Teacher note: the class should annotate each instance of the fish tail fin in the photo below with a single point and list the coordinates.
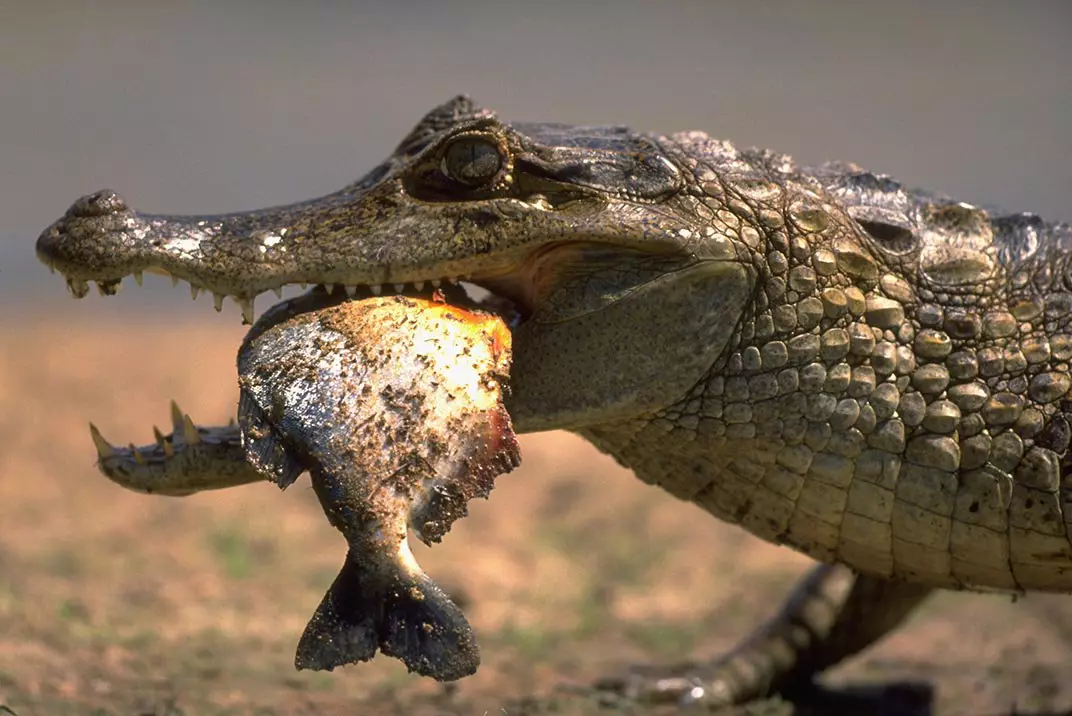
(406, 616)
(344, 629)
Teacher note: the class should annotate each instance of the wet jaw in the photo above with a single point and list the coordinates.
(186, 460)
(101, 239)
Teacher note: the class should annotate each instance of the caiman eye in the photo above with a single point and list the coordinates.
(472, 161)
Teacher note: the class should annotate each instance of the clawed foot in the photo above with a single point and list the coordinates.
(833, 613)
(721, 688)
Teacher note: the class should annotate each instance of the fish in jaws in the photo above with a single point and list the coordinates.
(395, 407)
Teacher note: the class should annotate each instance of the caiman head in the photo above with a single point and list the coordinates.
(625, 297)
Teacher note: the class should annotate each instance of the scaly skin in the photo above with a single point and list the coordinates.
(875, 376)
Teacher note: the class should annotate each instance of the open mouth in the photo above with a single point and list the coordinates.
(167, 465)
(100, 240)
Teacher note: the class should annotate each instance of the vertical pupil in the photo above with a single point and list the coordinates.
(473, 161)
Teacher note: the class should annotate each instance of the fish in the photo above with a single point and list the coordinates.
(394, 405)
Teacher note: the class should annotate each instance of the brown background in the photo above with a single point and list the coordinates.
(137, 605)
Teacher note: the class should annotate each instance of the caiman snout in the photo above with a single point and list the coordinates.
(465, 197)
(93, 239)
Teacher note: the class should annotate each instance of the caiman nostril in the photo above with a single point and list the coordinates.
(101, 203)
(92, 240)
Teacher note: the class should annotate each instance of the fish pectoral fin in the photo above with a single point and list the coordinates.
(406, 616)
(266, 451)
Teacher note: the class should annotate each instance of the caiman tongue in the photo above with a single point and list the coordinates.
(394, 405)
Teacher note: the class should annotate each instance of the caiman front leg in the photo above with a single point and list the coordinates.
(188, 460)
(832, 614)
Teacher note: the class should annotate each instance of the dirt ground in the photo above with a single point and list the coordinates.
(117, 603)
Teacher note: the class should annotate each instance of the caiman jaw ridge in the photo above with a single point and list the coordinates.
(101, 239)
(168, 467)
(97, 223)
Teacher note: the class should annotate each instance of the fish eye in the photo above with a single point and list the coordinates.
(472, 161)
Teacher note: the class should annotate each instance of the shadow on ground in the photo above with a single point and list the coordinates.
(117, 603)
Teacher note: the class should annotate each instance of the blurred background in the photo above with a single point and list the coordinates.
(140, 605)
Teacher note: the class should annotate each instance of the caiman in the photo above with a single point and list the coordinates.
(873, 375)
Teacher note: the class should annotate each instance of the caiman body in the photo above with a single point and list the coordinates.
(876, 376)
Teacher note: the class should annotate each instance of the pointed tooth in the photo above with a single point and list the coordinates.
(189, 431)
(351, 290)
(436, 283)
(419, 285)
(176, 417)
(303, 285)
(104, 448)
(246, 304)
(217, 301)
(194, 291)
(540, 202)
(78, 287)
(162, 441)
(376, 289)
(169, 449)
(174, 280)
(138, 457)
(452, 279)
(138, 278)
(399, 287)
(109, 288)
(278, 291)
(232, 423)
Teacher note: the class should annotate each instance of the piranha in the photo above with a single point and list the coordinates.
(394, 405)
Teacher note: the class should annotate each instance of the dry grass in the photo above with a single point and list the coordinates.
(117, 603)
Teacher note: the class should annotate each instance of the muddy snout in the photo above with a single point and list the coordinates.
(95, 238)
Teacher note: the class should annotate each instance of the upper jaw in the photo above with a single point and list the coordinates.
(319, 242)
(367, 239)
